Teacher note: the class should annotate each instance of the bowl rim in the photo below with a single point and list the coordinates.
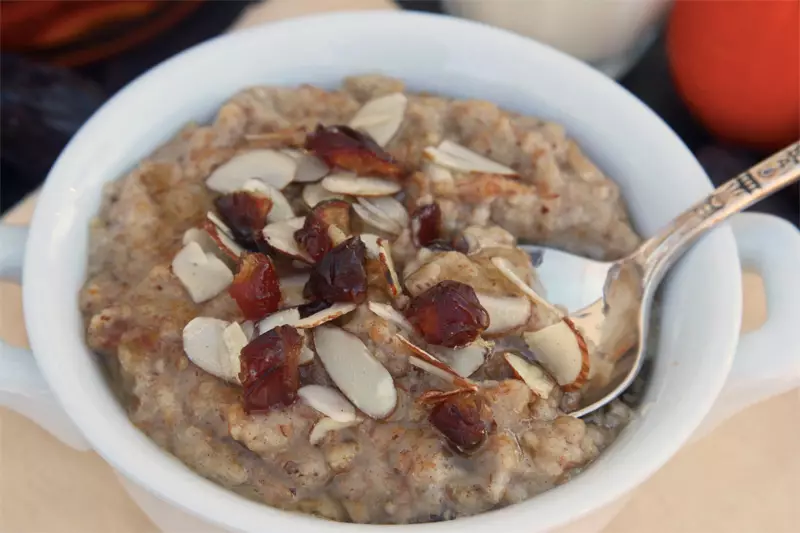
(182, 487)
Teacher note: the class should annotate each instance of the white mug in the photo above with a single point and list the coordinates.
(609, 34)
(695, 369)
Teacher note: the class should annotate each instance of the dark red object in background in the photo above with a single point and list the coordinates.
(77, 33)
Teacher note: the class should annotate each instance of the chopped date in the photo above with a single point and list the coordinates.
(340, 276)
(448, 314)
(426, 224)
(245, 213)
(464, 419)
(255, 287)
(269, 373)
(344, 147)
(314, 236)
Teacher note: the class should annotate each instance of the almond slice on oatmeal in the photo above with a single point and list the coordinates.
(281, 208)
(504, 266)
(381, 117)
(349, 183)
(222, 241)
(315, 193)
(378, 249)
(292, 289)
(249, 329)
(270, 166)
(327, 425)
(468, 359)
(427, 362)
(506, 313)
(390, 207)
(206, 345)
(390, 314)
(532, 374)
(326, 315)
(284, 317)
(562, 351)
(355, 371)
(377, 222)
(209, 244)
(328, 401)
(291, 317)
(280, 235)
(234, 338)
(203, 274)
(310, 168)
(306, 352)
(454, 156)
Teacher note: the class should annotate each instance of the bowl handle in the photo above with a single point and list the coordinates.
(22, 386)
(767, 360)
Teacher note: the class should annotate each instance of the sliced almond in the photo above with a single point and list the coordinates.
(325, 426)
(381, 117)
(326, 315)
(285, 317)
(432, 397)
(234, 339)
(390, 314)
(427, 362)
(281, 208)
(280, 235)
(504, 266)
(349, 183)
(223, 242)
(328, 401)
(310, 168)
(376, 221)
(292, 289)
(210, 245)
(562, 351)
(204, 344)
(249, 329)
(336, 235)
(467, 360)
(378, 249)
(479, 238)
(506, 313)
(351, 366)
(452, 155)
(214, 218)
(315, 193)
(534, 377)
(385, 257)
(203, 274)
(270, 166)
(389, 207)
(306, 352)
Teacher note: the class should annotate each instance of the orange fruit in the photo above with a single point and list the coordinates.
(737, 66)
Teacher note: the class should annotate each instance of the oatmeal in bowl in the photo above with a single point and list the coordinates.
(318, 301)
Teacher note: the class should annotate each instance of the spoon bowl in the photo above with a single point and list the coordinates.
(612, 301)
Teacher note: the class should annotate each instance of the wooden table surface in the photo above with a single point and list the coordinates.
(742, 478)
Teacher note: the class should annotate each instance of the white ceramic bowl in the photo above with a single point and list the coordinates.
(657, 173)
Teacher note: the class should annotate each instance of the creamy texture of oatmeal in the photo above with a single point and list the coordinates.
(395, 470)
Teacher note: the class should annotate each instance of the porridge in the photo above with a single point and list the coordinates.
(317, 301)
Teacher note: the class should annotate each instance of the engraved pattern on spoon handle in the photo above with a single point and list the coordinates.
(774, 173)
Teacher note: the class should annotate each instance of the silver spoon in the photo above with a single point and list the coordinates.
(612, 301)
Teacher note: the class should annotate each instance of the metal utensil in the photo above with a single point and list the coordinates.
(611, 301)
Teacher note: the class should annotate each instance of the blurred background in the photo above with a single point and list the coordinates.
(723, 74)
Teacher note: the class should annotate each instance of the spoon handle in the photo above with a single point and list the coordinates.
(658, 253)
